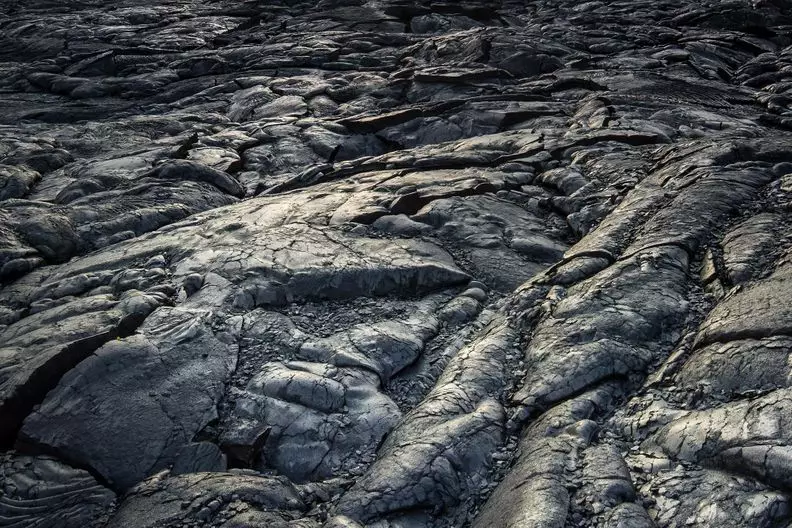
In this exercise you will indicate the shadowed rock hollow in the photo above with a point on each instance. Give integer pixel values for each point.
(395, 264)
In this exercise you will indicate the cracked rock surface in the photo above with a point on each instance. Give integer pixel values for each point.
(395, 263)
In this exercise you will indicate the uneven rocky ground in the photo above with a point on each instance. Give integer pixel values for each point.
(391, 263)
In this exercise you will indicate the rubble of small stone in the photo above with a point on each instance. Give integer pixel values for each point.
(395, 263)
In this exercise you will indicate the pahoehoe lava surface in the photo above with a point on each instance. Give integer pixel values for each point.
(395, 263)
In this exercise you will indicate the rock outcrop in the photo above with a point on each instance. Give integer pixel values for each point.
(389, 263)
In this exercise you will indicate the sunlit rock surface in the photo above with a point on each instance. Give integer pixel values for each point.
(395, 264)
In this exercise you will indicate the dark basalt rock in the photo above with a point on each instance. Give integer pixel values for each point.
(43, 491)
(211, 499)
(394, 263)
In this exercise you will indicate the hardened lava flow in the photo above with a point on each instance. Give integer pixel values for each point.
(395, 263)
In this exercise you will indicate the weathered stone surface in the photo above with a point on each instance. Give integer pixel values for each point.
(37, 350)
(395, 263)
(42, 491)
(129, 409)
(211, 499)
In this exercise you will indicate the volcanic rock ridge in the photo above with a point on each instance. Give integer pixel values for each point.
(395, 263)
